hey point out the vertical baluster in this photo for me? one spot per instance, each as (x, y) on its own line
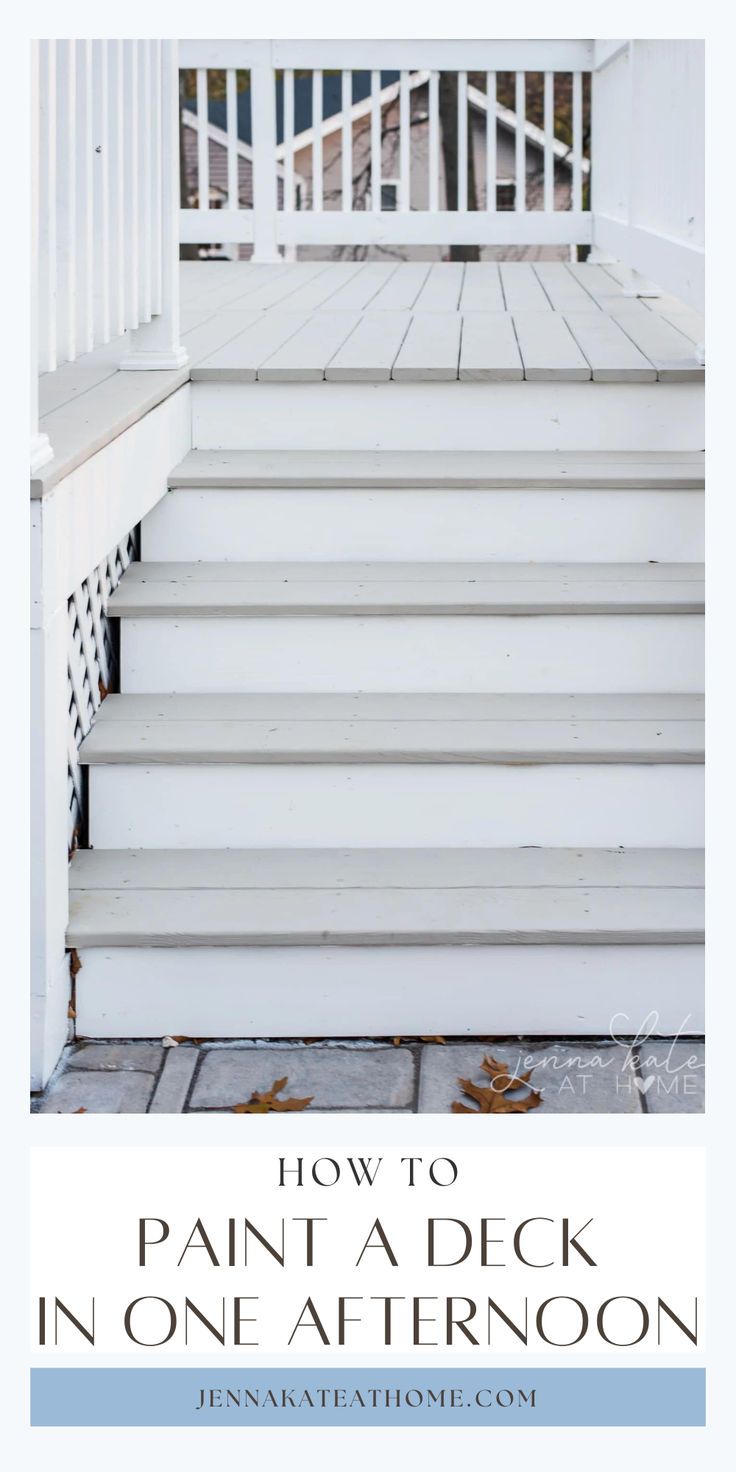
(434, 142)
(289, 139)
(203, 141)
(130, 203)
(577, 140)
(116, 164)
(144, 178)
(101, 194)
(316, 140)
(66, 159)
(462, 140)
(156, 178)
(231, 122)
(404, 142)
(491, 140)
(520, 171)
(549, 133)
(347, 140)
(376, 140)
(47, 207)
(40, 449)
(84, 189)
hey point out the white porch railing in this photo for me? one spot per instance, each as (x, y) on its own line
(273, 222)
(105, 204)
(648, 147)
(107, 223)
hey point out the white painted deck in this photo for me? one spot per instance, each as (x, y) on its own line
(411, 322)
(375, 323)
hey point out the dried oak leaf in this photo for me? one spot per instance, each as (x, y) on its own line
(494, 1098)
(398, 1041)
(267, 1103)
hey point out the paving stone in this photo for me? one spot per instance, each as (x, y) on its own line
(573, 1078)
(337, 1078)
(173, 1085)
(140, 1057)
(673, 1077)
(98, 1092)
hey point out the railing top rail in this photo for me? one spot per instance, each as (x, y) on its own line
(466, 55)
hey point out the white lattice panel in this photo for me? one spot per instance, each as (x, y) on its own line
(92, 665)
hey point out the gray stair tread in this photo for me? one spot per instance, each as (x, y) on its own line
(401, 705)
(401, 728)
(648, 470)
(232, 589)
(385, 897)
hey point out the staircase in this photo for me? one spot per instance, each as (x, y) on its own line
(408, 743)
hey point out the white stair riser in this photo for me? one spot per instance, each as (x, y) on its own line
(590, 654)
(382, 991)
(401, 806)
(442, 416)
(426, 525)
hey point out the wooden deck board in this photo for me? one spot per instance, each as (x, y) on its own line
(671, 353)
(430, 352)
(482, 290)
(441, 290)
(304, 355)
(523, 291)
(489, 351)
(612, 356)
(241, 358)
(548, 348)
(369, 353)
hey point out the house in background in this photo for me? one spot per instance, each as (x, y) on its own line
(330, 131)
(218, 180)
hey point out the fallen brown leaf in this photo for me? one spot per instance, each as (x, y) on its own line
(75, 964)
(493, 1098)
(398, 1041)
(267, 1103)
(71, 1013)
(79, 1111)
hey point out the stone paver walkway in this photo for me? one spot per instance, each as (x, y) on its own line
(587, 1077)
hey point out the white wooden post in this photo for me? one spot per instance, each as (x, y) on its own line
(263, 115)
(41, 451)
(49, 963)
(156, 344)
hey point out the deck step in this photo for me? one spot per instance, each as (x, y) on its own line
(229, 589)
(371, 770)
(390, 897)
(512, 628)
(374, 728)
(423, 470)
(345, 943)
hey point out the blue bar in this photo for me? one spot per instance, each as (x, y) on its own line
(237, 1396)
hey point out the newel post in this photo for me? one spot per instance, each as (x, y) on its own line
(263, 114)
(156, 344)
